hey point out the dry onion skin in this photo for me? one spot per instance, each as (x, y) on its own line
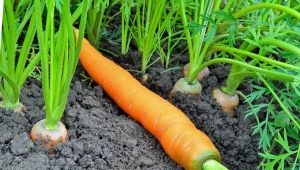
(228, 103)
(49, 138)
(202, 74)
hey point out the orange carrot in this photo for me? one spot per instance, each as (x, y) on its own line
(181, 140)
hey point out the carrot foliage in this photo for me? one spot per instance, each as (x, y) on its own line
(59, 53)
(274, 35)
(199, 31)
(209, 43)
(17, 58)
(147, 27)
(268, 37)
(97, 18)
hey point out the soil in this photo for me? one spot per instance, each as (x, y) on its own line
(102, 136)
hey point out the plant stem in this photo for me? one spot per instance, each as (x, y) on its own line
(246, 10)
(234, 79)
(14, 61)
(14, 88)
(254, 56)
(197, 45)
(10, 35)
(229, 4)
(58, 73)
(280, 102)
(281, 44)
(237, 73)
(126, 36)
(185, 27)
(50, 124)
(212, 164)
(282, 16)
(1, 18)
(274, 75)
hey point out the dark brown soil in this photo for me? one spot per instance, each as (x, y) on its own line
(101, 136)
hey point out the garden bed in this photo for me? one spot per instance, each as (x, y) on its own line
(258, 41)
(101, 136)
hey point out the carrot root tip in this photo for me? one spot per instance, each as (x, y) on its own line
(49, 138)
(202, 74)
(228, 103)
(184, 87)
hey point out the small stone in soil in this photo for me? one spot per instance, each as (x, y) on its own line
(21, 144)
(203, 107)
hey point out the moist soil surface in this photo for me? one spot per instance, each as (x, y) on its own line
(102, 136)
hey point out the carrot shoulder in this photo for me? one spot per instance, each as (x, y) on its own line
(181, 140)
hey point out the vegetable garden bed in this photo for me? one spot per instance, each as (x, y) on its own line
(222, 78)
(101, 136)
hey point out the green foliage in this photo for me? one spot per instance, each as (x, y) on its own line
(97, 18)
(126, 6)
(199, 32)
(259, 38)
(172, 37)
(277, 118)
(59, 53)
(277, 125)
(146, 27)
(266, 50)
(268, 38)
(19, 30)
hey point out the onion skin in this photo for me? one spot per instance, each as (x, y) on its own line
(228, 103)
(49, 138)
(202, 74)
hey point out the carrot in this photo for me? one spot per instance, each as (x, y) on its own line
(48, 137)
(181, 140)
(227, 102)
